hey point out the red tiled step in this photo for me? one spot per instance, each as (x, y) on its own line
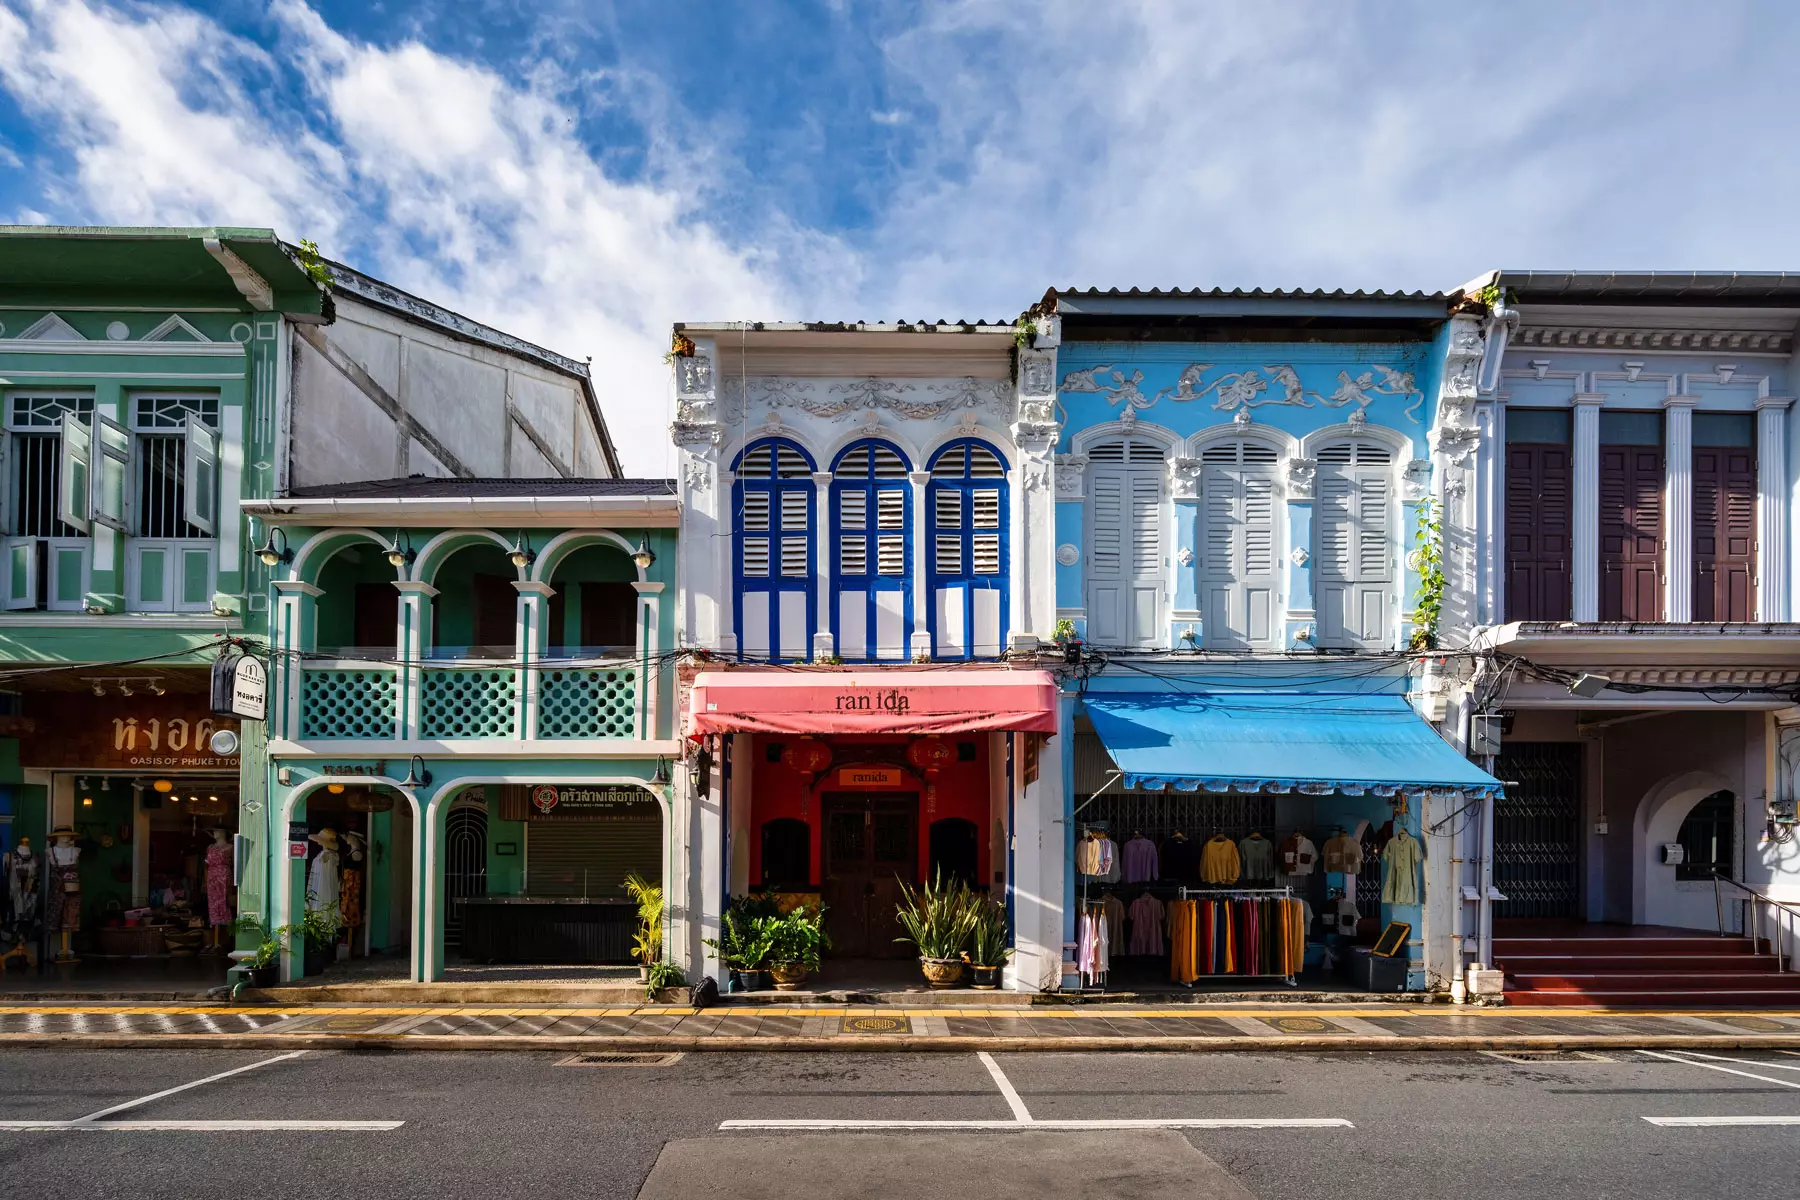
(1672, 999)
(1596, 964)
(1656, 981)
(1532, 947)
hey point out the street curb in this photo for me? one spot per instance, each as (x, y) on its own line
(879, 1043)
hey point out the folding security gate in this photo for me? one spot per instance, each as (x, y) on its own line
(465, 864)
(1537, 827)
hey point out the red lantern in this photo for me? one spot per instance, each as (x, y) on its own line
(808, 756)
(929, 755)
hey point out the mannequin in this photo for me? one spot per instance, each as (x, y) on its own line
(350, 894)
(21, 867)
(64, 910)
(322, 880)
(218, 884)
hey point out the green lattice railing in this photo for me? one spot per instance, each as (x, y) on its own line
(588, 702)
(469, 703)
(349, 702)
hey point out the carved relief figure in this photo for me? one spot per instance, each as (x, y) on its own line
(1120, 390)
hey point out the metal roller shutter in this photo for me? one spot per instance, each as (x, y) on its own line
(591, 858)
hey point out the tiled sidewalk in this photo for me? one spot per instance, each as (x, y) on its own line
(861, 1024)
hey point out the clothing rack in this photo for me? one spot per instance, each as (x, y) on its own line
(1239, 893)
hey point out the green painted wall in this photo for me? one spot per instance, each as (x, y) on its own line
(455, 605)
(505, 872)
(337, 607)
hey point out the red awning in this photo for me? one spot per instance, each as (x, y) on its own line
(897, 700)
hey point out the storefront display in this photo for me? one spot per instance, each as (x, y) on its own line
(63, 910)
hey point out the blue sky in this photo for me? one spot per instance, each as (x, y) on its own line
(584, 173)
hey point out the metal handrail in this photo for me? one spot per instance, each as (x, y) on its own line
(1755, 913)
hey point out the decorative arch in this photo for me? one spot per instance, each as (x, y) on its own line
(319, 549)
(909, 448)
(1284, 443)
(434, 553)
(1392, 438)
(558, 548)
(1655, 896)
(1107, 431)
(870, 518)
(997, 440)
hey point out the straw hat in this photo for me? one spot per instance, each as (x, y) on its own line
(64, 831)
(326, 838)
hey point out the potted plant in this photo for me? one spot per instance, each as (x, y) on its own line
(796, 940)
(746, 935)
(318, 932)
(938, 919)
(988, 950)
(1065, 637)
(646, 944)
(660, 975)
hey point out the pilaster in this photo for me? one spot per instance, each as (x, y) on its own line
(416, 600)
(1584, 535)
(824, 645)
(919, 641)
(292, 628)
(649, 640)
(529, 648)
(1772, 508)
(1678, 508)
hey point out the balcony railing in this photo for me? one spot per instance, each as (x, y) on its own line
(345, 700)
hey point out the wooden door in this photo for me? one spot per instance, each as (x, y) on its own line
(1539, 520)
(1631, 490)
(871, 844)
(1724, 533)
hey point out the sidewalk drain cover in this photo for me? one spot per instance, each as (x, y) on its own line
(1760, 1024)
(877, 1025)
(621, 1060)
(1533, 1057)
(1303, 1025)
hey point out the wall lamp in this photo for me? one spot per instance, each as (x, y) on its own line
(521, 554)
(274, 550)
(416, 774)
(400, 554)
(643, 556)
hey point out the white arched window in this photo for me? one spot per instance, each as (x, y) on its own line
(772, 499)
(1239, 601)
(1124, 576)
(1354, 569)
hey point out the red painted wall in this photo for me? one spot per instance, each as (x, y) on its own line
(775, 791)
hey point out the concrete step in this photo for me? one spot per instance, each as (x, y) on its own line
(1668, 999)
(1655, 981)
(1599, 964)
(1699, 944)
(599, 994)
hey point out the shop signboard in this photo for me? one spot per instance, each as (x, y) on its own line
(296, 839)
(240, 687)
(599, 802)
(881, 778)
(125, 733)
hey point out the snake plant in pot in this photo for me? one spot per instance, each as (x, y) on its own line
(939, 919)
(988, 950)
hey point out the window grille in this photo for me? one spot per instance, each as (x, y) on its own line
(36, 422)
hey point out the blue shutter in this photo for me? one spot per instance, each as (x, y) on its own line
(967, 543)
(775, 603)
(871, 552)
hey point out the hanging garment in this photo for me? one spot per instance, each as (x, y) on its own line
(1343, 855)
(1345, 917)
(1219, 860)
(322, 881)
(1140, 860)
(1146, 916)
(1183, 967)
(1298, 855)
(1084, 947)
(1181, 860)
(350, 897)
(1400, 861)
(218, 884)
(1257, 855)
(1114, 910)
(1102, 945)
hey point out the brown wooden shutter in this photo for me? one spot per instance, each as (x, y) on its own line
(1724, 533)
(1631, 481)
(1539, 482)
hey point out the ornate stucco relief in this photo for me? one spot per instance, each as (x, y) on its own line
(915, 400)
(1241, 390)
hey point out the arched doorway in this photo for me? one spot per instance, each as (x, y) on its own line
(465, 863)
(955, 852)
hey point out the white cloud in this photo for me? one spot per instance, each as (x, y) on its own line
(431, 172)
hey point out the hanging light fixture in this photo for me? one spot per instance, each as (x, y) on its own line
(99, 688)
(662, 771)
(163, 786)
(400, 554)
(156, 687)
(274, 550)
(336, 789)
(643, 556)
(416, 774)
(521, 554)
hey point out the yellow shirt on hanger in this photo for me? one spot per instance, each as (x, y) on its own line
(1219, 860)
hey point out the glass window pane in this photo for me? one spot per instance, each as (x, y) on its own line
(1538, 425)
(1629, 428)
(1724, 429)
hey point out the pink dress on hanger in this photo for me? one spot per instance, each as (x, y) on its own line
(218, 884)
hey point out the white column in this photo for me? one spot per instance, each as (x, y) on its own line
(1772, 508)
(822, 641)
(530, 644)
(1585, 536)
(920, 642)
(1490, 513)
(1678, 508)
(650, 646)
(291, 632)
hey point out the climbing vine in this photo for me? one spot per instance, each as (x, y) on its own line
(313, 264)
(1428, 559)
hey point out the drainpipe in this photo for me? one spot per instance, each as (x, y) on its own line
(1459, 986)
(1487, 870)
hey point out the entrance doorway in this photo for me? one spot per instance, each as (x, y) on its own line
(1537, 826)
(871, 843)
(465, 864)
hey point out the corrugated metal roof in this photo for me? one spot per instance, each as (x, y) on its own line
(1252, 293)
(941, 325)
(1654, 285)
(428, 487)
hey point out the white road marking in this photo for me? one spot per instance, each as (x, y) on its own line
(1787, 1083)
(199, 1126)
(1708, 1122)
(107, 1112)
(1748, 1062)
(804, 1123)
(1019, 1111)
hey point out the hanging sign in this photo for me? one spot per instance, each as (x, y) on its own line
(240, 687)
(884, 777)
(296, 839)
(551, 801)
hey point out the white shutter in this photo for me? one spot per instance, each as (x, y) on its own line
(891, 555)
(22, 571)
(110, 472)
(756, 509)
(984, 509)
(1374, 562)
(890, 509)
(1237, 583)
(200, 471)
(1146, 523)
(949, 554)
(1355, 552)
(949, 508)
(1125, 560)
(74, 501)
(1336, 556)
(853, 508)
(793, 558)
(1107, 512)
(985, 550)
(853, 554)
(793, 510)
(756, 557)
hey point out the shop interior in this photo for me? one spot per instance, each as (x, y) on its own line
(1178, 890)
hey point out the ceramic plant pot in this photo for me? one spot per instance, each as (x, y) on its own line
(788, 976)
(942, 972)
(985, 978)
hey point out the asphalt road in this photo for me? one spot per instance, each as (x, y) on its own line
(493, 1125)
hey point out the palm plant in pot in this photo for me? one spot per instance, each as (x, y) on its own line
(988, 950)
(746, 936)
(938, 918)
(646, 944)
(797, 939)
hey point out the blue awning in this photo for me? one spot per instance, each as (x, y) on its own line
(1277, 742)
